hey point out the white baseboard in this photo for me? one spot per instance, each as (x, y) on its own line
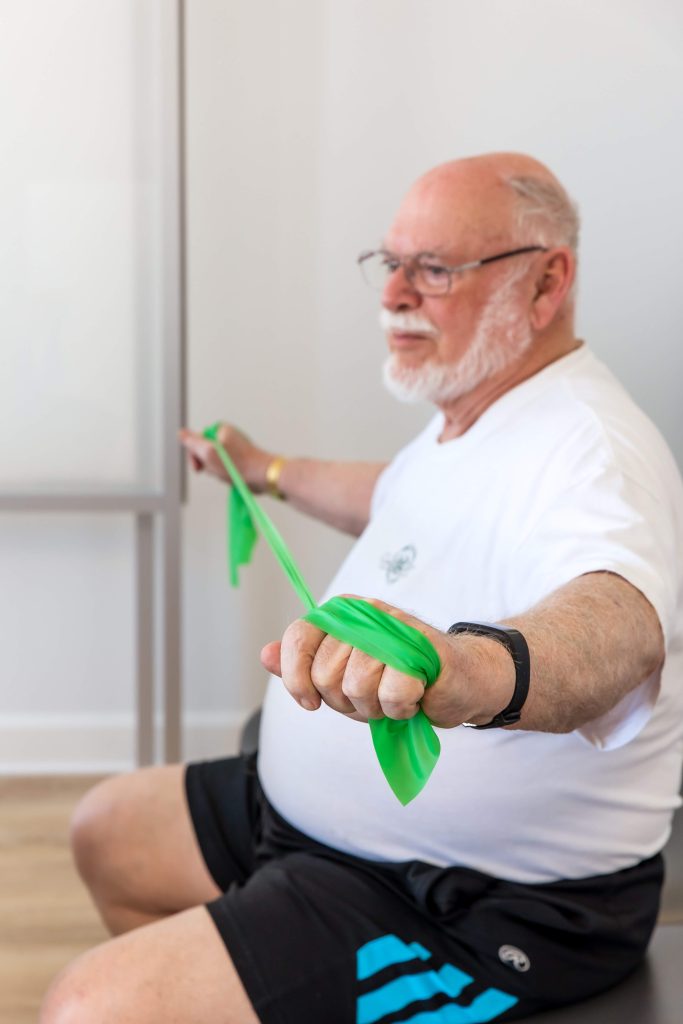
(87, 743)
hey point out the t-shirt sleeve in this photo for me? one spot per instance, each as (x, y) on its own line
(607, 523)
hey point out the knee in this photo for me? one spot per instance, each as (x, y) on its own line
(98, 829)
(69, 1000)
(60, 1007)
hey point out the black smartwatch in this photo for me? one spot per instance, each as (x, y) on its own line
(515, 643)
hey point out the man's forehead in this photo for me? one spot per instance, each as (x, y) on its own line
(441, 214)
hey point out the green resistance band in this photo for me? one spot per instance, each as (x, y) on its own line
(407, 749)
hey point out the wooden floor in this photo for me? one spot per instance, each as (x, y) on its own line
(46, 918)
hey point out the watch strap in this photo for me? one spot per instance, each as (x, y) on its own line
(515, 643)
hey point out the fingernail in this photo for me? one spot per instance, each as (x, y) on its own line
(309, 705)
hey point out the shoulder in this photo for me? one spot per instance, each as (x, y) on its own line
(585, 416)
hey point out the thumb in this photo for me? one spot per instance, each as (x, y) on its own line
(198, 448)
(270, 657)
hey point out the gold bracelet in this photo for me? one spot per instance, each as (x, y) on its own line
(273, 477)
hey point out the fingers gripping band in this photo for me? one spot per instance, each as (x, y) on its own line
(407, 750)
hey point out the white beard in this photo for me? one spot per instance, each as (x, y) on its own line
(501, 336)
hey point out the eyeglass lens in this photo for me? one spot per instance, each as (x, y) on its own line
(425, 274)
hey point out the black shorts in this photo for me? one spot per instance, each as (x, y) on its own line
(321, 937)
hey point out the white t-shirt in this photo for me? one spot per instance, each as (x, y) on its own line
(561, 476)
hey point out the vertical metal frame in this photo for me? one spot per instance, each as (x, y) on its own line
(174, 334)
(144, 636)
(151, 509)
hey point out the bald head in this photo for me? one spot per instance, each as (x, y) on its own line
(492, 167)
(500, 197)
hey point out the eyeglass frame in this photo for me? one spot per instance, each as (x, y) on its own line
(459, 268)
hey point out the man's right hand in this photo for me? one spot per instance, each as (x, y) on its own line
(251, 461)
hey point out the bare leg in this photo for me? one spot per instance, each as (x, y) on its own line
(177, 971)
(136, 850)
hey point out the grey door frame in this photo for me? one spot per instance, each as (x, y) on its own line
(154, 511)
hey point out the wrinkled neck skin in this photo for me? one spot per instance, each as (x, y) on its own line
(462, 412)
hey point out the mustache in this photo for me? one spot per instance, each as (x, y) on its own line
(406, 323)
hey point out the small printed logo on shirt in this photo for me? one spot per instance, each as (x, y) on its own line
(399, 564)
(516, 958)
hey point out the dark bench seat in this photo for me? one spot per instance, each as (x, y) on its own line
(651, 995)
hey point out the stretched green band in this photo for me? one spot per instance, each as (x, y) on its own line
(407, 750)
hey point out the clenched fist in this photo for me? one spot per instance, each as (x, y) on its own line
(476, 681)
(251, 461)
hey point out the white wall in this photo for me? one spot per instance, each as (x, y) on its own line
(80, 170)
(80, 237)
(306, 122)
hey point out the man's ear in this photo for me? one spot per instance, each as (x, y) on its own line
(552, 284)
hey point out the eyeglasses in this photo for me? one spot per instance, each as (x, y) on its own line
(425, 273)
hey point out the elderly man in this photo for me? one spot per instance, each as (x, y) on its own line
(539, 510)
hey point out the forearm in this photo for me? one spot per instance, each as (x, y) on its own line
(337, 493)
(590, 642)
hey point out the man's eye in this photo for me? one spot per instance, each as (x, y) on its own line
(391, 265)
(434, 270)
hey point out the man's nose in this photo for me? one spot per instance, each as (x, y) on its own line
(398, 292)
